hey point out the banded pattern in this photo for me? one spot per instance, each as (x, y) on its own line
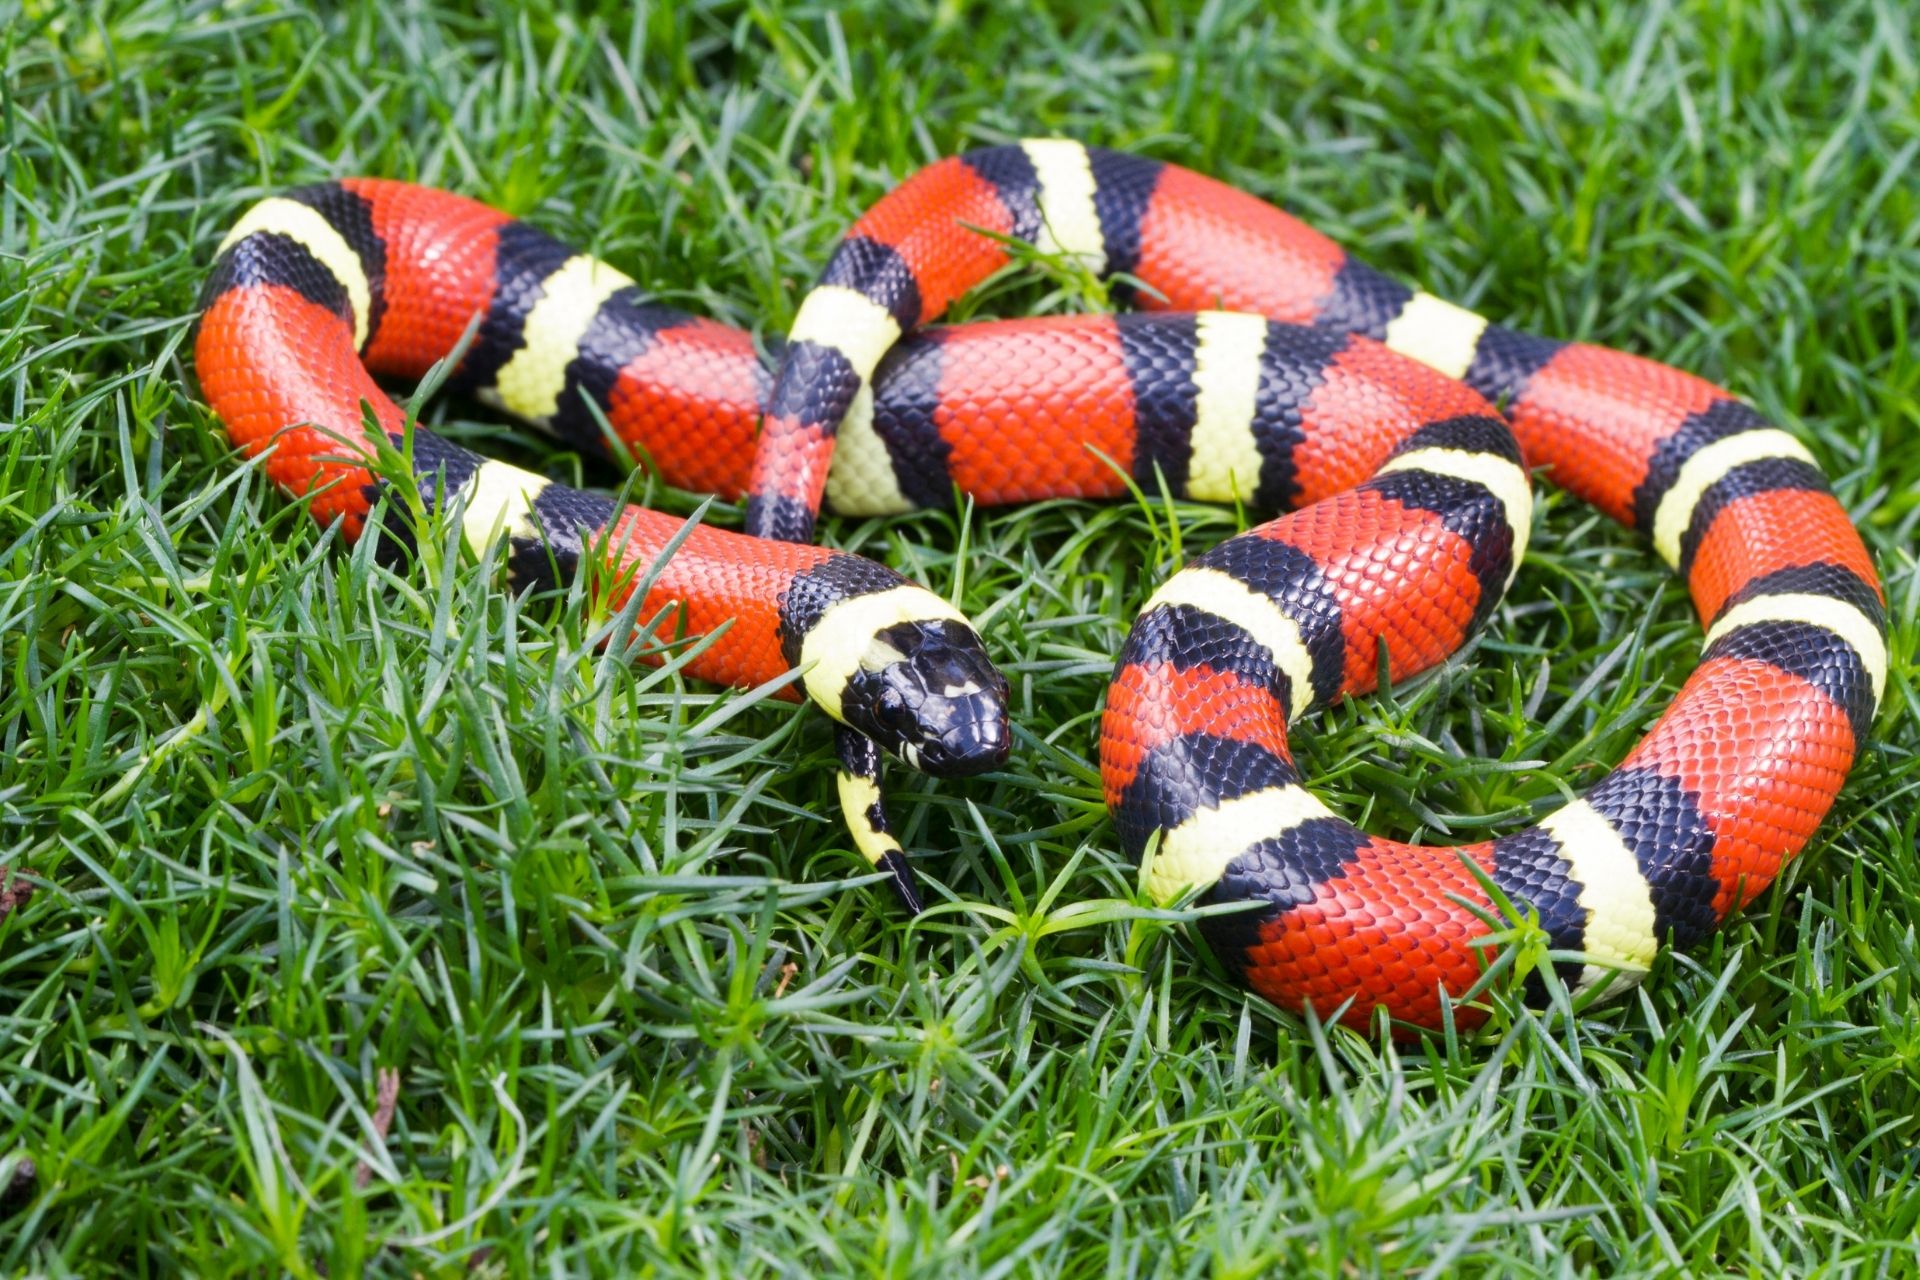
(1005, 412)
(900, 266)
(316, 291)
(1726, 787)
(1413, 513)
(1288, 617)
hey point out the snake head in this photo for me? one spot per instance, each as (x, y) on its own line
(926, 692)
(899, 664)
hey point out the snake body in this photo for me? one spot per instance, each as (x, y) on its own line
(315, 291)
(1266, 366)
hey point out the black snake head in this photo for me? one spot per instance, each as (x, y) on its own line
(926, 692)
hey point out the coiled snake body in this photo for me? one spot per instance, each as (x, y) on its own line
(1265, 366)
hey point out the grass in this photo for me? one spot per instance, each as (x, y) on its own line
(298, 840)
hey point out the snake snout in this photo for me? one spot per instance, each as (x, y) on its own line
(940, 705)
(968, 730)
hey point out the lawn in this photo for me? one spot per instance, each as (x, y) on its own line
(370, 918)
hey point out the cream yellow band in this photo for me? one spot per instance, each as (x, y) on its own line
(1616, 897)
(308, 227)
(1490, 471)
(849, 322)
(1069, 220)
(1227, 597)
(862, 481)
(1223, 462)
(1195, 854)
(845, 640)
(499, 499)
(1437, 334)
(1837, 616)
(858, 795)
(532, 381)
(1709, 464)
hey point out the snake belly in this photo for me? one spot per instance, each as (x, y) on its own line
(1725, 788)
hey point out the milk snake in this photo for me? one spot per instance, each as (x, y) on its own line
(1264, 366)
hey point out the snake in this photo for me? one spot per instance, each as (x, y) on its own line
(1391, 435)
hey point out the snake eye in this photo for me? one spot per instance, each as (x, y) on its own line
(894, 711)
